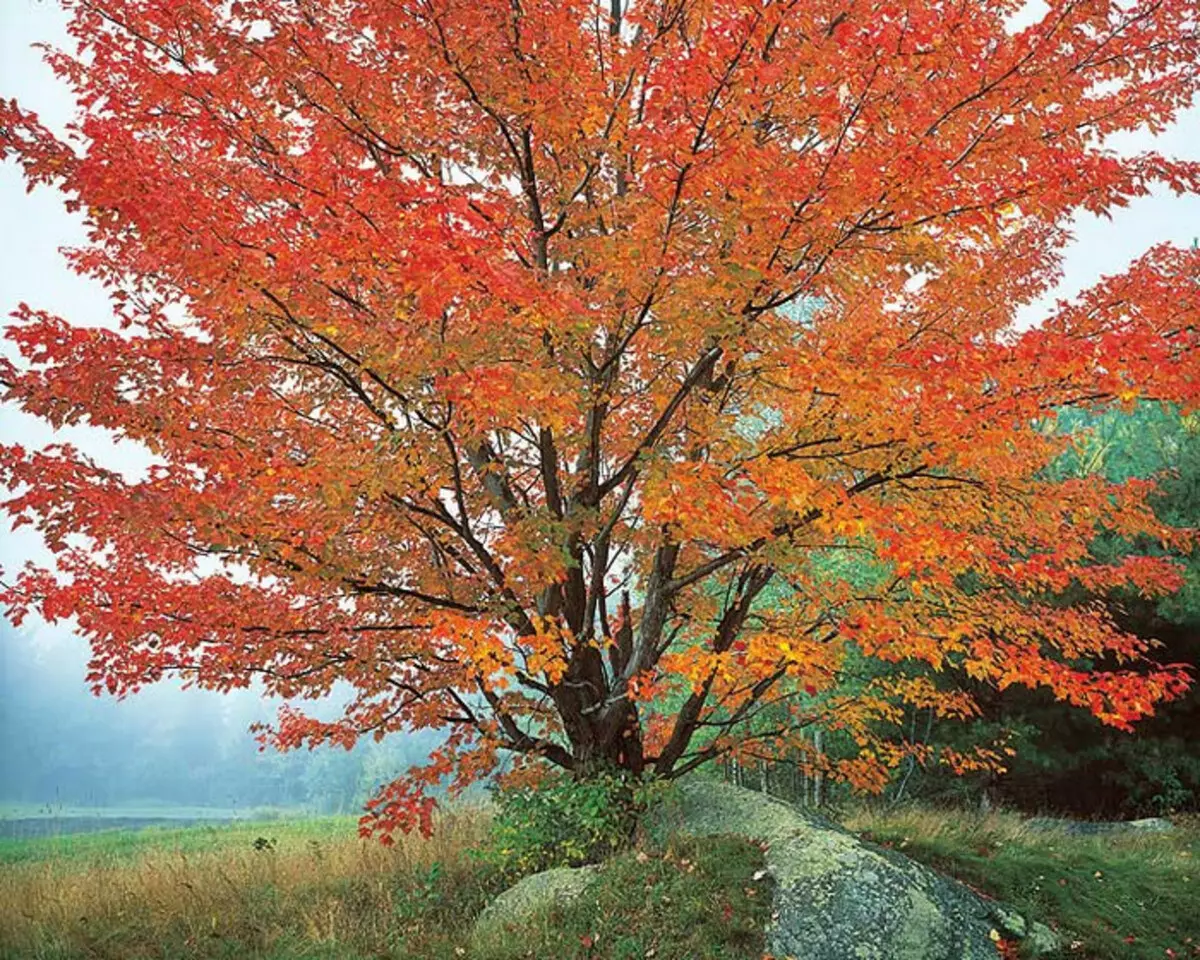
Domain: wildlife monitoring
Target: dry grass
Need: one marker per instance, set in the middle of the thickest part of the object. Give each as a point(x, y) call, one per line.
point(932, 821)
point(319, 893)
point(322, 883)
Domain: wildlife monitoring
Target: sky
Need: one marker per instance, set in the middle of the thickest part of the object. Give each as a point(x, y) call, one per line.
point(33, 227)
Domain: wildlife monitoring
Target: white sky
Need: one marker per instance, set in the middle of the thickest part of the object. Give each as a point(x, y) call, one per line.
point(34, 226)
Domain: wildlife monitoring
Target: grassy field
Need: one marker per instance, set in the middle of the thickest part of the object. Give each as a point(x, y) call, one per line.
point(23, 822)
point(311, 890)
point(109, 846)
point(1129, 896)
point(148, 810)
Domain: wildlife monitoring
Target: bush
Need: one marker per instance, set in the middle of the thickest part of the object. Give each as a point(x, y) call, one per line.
point(564, 822)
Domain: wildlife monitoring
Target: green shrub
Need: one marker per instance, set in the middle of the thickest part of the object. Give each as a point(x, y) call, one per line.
point(565, 822)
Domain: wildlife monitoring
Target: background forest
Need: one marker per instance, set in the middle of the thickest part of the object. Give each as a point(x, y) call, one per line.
point(1065, 760)
point(1061, 759)
point(64, 748)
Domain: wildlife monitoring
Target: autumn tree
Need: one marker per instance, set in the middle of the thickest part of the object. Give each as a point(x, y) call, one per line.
point(1064, 759)
point(520, 364)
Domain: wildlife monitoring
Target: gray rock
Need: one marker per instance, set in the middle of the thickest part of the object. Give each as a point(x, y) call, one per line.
point(529, 899)
point(1009, 922)
point(1089, 828)
point(1150, 825)
point(839, 898)
point(1042, 940)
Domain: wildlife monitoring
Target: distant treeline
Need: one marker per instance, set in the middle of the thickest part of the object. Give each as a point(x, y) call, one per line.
point(1065, 759)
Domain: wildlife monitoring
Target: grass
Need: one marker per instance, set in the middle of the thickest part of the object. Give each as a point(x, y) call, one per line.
point(314, 891)
point(1112, 897)
point(147, 810)
point(109, 845)
point(697, 898)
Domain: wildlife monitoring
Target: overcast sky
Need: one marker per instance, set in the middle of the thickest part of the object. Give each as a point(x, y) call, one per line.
point(34, 226)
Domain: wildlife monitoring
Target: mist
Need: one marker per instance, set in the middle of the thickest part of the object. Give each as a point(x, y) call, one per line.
point(166, 750)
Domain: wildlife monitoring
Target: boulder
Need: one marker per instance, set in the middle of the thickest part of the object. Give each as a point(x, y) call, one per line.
point(840, 898)
point(1090, 828)
point(1150, 825)
point(528, 900)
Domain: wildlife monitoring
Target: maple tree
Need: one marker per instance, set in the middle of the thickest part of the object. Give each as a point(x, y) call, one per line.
point(520, 365)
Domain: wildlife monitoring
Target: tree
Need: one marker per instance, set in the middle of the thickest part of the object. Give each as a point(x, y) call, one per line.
point(1065, 759)
point(500, 358)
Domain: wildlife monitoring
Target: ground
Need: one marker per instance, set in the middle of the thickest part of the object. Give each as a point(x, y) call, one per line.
point(1122, 896)
point(310, 890)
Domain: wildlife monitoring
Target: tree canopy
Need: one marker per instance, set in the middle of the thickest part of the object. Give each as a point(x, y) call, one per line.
point(522, 363)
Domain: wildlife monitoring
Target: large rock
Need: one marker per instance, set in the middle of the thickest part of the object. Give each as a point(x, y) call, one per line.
point(528, 900)
point(839, 898)
point(1087, 828)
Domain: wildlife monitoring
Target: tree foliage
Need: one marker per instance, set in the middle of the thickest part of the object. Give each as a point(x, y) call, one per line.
point(1057, 758)
point(1065, 760)
point(466, 336)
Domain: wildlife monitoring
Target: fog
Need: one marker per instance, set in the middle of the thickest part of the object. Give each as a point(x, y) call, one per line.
point(165, 748)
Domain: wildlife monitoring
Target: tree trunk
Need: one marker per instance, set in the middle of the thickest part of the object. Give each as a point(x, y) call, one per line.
point(818, 776)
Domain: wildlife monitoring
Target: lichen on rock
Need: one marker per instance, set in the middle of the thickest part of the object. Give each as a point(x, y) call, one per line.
point(528, 899)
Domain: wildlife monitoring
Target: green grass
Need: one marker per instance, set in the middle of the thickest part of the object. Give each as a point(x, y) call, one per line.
point(147, 809)
point(109, 845)
point(317, 892)
point(1112, 897)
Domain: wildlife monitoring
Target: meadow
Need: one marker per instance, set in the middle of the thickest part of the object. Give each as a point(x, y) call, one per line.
point(312, 890)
